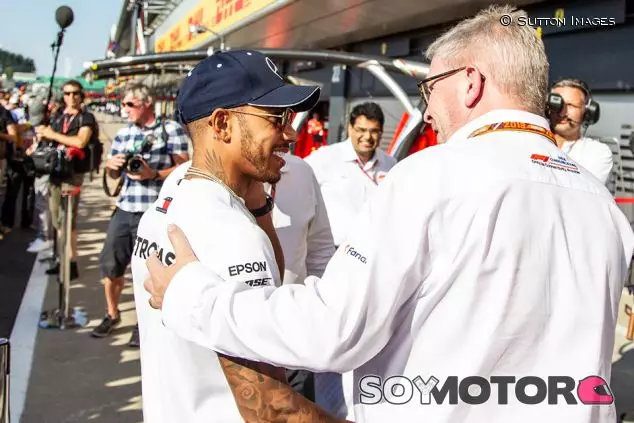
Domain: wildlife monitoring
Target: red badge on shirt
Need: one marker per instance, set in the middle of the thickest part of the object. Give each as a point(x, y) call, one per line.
point(166, 203)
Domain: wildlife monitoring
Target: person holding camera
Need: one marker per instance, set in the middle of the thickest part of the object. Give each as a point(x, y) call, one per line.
point(70, 130)
point(145, 152)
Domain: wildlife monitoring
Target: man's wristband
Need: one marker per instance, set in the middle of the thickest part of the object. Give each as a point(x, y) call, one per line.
point(265, 209)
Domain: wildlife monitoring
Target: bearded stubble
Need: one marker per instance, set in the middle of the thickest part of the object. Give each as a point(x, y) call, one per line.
point(254, 153)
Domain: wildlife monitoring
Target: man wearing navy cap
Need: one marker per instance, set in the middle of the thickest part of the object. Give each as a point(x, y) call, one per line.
point(238, 111)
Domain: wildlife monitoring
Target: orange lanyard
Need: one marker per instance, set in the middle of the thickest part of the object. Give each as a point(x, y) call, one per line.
point(366, 173)
point(515, 126)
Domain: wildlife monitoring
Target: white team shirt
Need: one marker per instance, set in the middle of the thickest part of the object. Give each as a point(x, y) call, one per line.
point(345, 184)
point(182, 381)
point(511, 263)
point(591, 154)
point(301, 222)
point(299, 217)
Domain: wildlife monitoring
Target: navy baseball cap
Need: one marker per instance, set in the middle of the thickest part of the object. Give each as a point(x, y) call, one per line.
point(239, 78)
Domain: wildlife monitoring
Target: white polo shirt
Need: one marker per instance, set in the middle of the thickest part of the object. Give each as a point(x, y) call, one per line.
point(345, 183)
point(301, 222)
point(182, 381)
point(591, 154)
point(511, 264)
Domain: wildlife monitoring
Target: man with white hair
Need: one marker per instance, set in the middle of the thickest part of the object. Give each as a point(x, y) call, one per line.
point(462, 305)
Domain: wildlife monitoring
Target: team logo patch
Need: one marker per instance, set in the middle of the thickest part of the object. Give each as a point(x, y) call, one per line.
point(166, 203)
point(557, 163)
point(273, 68)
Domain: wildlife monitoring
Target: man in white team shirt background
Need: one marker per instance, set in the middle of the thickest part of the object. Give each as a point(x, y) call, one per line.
point(492, 271)
point(239, 137)
point(579, 110)
point(349, 172)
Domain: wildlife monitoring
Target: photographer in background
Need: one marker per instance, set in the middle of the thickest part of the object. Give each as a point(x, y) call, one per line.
point(145, 152)
point(579, 110)
point(72, 129)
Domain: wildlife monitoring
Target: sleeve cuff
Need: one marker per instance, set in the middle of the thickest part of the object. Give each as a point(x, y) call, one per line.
point(184, 293)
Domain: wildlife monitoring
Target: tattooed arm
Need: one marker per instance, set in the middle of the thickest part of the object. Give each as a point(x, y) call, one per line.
point(261, 390)
point(263, 395)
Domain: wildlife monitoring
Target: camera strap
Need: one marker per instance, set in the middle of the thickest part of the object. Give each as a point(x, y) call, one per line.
point(104, 184)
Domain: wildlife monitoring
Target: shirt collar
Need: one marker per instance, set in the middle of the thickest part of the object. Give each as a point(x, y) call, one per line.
point(496, 116)
point(349, 155)
point(152, 127)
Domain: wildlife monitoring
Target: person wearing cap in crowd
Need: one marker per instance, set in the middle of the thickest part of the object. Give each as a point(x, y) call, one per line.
point(476, 280)
point(237, 110)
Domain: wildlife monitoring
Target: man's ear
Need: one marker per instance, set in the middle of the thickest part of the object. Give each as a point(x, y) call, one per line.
point(220, 124)
point(475, 86)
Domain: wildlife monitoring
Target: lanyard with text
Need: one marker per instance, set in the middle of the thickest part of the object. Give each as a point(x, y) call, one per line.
point(68, 119)
point(515, 126)
point(366, 173)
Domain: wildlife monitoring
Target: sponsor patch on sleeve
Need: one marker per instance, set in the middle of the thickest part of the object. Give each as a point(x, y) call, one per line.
point(166, 203)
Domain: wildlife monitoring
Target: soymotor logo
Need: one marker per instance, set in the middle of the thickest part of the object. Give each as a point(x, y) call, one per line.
point(475, 390)
point(349, 250)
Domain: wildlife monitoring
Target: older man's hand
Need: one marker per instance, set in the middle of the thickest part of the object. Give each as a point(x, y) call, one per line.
point(161, 276)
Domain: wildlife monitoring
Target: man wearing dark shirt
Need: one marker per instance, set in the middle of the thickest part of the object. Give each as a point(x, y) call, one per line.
point(73, 128)
point(9, 136)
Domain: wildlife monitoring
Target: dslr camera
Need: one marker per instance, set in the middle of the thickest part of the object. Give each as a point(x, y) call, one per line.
point(134, 160)
point(133, 163)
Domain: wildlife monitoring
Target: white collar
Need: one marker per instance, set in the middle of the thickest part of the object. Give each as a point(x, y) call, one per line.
point(350, 155)
point(495, 116)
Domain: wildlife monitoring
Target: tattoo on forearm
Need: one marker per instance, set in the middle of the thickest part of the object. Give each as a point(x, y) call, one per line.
point(263, 395)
